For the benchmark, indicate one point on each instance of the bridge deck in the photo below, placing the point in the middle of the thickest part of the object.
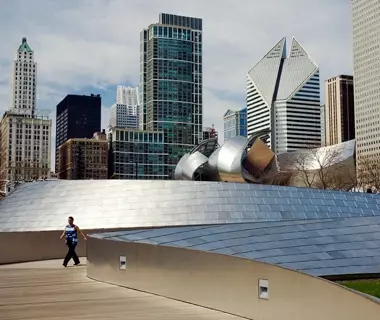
(46, 290)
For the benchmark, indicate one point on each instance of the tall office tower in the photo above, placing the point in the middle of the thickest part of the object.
(124, 116)
(339, 110)
(77, 117)
(127, 95)
(24, 80)
(323, 125)
(235, 123)
(25, 130)
(171, 83)
(135, 154)
(283, 99)
(366, 26)
(125, 112)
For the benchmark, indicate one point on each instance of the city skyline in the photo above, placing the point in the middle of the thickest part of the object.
(227, 54)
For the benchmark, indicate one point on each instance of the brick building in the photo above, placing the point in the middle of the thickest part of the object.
(84, 159)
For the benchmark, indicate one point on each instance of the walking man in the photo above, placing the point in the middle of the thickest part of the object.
(71, 233)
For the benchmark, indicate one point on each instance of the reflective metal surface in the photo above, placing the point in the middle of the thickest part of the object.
(315, 158)
(328, 247)
(223, 282)
(229, 161)
(206, 147)
(242, 159)
(193, 163)
(110, 204)
(178, 172)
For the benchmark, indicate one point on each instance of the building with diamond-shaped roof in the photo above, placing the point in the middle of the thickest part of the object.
(283, 96)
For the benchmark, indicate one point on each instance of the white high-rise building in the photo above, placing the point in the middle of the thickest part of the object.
(125, 113)
(323, 125)
(23, 79)
(127, 95)
(25, 131)
(283, 99)
(124, 116)
(366, 36)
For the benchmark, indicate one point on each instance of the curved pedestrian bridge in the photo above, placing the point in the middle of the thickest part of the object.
(46, 290)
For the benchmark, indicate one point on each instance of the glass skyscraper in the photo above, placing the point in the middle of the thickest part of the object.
(135, 154)
(171, 83)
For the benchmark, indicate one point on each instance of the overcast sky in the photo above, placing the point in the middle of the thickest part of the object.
(90, 46)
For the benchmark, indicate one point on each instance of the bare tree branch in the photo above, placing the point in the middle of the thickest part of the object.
(322, 168)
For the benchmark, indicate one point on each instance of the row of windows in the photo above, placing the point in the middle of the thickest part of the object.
(140, 137)
(171, 49)
(171, 19)
(129, 158)
(172, 33)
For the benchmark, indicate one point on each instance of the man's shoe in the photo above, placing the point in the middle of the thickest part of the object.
(65, 265)
(77, 264)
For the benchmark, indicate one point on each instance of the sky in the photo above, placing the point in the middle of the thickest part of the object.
(91, 46)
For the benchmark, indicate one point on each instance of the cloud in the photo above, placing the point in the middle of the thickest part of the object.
(82, 44)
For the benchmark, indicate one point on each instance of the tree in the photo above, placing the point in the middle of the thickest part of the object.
(369, 175)
(322, 168)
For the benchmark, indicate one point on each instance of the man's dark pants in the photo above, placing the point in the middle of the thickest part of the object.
(71, 253)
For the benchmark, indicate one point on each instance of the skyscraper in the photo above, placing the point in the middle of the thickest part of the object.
(25, 130)
(125, 112)
(283, 98)
(235, 123)
(366, 25)
(24, 80)
(339, 110)
(171, 83)
(323, 125)
(124, 116)
(127, 95)
(77, 117)
(136, 154)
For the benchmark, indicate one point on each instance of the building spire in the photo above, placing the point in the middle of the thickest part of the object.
(24, 46)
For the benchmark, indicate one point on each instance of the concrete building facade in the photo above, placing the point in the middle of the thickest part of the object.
(84, 159)
(171, 83)
(127, 95)
(25, 148)
(25, 130)
(339, 110)
(24, 80)
(366, 44)
(125, 112)
(323, 125)
(283, 97)
(124, 116)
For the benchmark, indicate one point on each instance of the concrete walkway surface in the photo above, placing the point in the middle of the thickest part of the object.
(47, 290)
